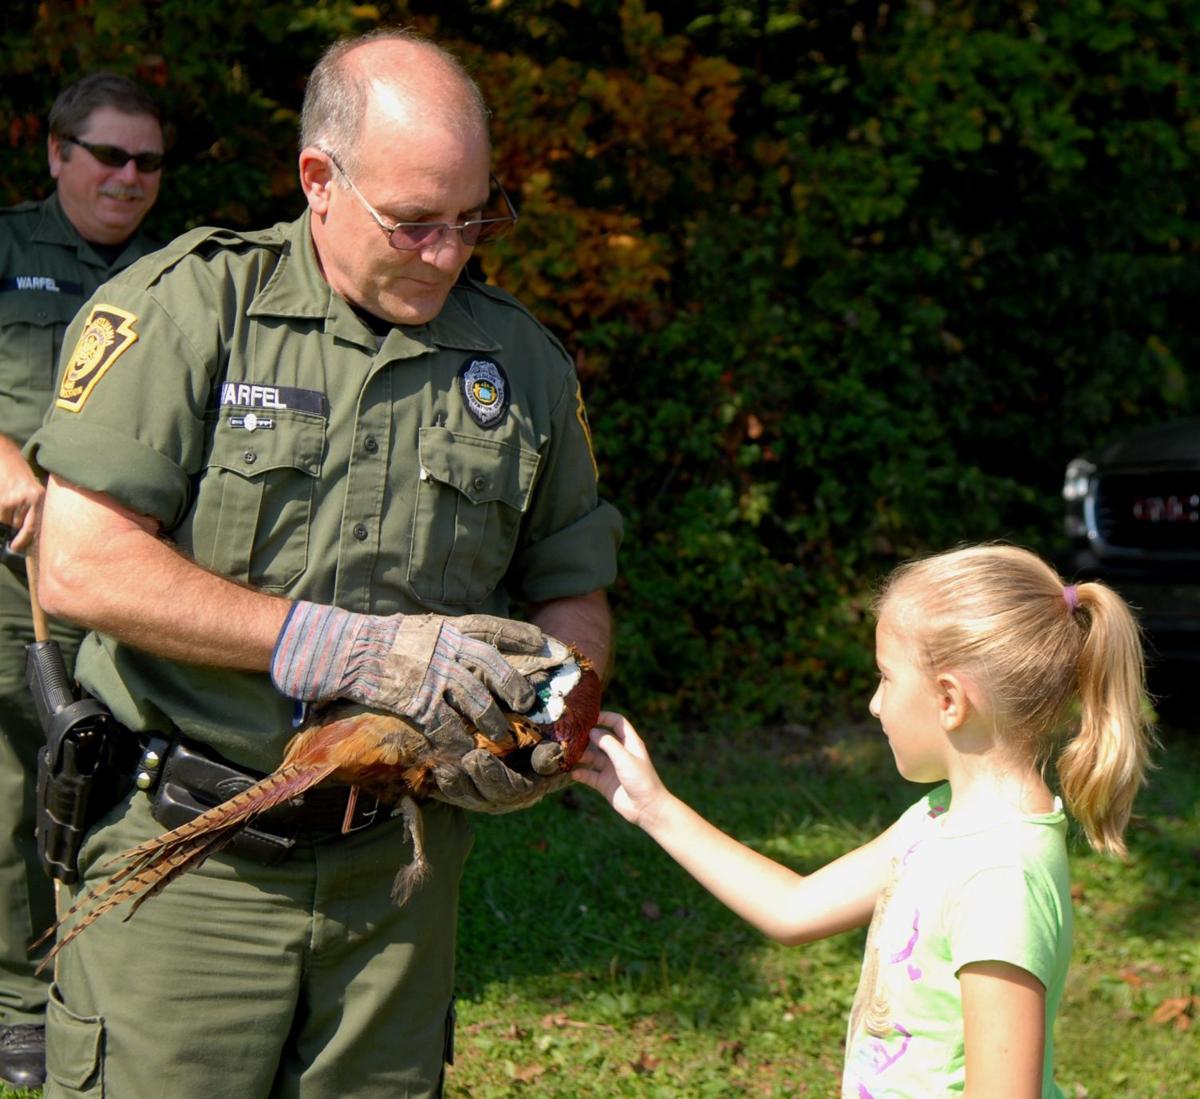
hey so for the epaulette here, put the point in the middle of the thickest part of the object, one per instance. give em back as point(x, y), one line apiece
point(204, 241)
point(20, 208)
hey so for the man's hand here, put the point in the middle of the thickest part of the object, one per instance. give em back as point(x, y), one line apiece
point(437, 671)
point(484, 783)
point(21, 495)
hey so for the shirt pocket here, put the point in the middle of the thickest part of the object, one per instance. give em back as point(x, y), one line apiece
point(34, 322)
point(471, 494)
point(255, 499)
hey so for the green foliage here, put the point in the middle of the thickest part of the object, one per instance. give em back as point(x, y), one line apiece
point(844, 283)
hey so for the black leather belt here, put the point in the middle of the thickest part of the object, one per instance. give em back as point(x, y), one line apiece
point(185, 779)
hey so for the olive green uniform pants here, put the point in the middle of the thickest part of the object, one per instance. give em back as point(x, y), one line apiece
point(241, 981)
point(26, 893)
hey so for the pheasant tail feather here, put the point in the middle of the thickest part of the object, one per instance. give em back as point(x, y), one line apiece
point(149, 867)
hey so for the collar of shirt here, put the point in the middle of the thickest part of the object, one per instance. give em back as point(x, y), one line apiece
point(54, 227)
point(297, 289)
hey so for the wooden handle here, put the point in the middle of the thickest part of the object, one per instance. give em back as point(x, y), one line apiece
point(41, 630)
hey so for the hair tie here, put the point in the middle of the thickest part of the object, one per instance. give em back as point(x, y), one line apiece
point(1071, 597)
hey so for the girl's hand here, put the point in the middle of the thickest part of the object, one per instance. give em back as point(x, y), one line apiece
point(618, 765)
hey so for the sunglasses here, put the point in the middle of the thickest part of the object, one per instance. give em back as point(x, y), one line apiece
point(113, 156)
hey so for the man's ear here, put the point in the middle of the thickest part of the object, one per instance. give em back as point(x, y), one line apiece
point(954, 702)
point(316, 178)
point(54, 155)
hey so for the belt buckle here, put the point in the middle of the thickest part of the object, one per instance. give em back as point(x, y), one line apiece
point(367, 817)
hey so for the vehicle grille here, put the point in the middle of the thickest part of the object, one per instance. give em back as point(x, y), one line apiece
point(1152, 510)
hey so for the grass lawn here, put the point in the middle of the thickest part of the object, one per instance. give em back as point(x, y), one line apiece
point(637, 984)
point(590, 966)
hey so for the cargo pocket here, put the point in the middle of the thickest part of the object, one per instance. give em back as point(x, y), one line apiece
point(471, 495)
point(254, 500)
point(74, 1049)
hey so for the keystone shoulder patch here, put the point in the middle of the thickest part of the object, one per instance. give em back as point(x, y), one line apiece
point(484, 390)
point(106, 336)
point(582, 416)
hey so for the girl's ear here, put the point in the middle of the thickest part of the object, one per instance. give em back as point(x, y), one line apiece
point(954, 703)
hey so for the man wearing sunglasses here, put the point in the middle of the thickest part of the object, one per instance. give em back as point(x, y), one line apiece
point(315, 461)
point(105, 151)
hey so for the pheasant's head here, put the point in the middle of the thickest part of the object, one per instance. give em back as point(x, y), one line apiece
point(567, 708)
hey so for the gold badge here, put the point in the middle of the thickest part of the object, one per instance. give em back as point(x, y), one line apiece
point(106, 336)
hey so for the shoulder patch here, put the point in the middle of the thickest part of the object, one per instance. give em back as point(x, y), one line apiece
point(582, 417)
point(106, 336)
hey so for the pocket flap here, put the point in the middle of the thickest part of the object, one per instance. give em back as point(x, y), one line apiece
point(38, 307)
point(252, 442)
point(483, 470)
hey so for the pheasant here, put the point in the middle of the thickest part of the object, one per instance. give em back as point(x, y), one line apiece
point(383, 754)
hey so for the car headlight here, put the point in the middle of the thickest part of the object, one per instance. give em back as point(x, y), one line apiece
point(1077, 479)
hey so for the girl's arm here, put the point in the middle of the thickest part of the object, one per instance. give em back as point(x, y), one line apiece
point(787, 906)
point(1004, 1031)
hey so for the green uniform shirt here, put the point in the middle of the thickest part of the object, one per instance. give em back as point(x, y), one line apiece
point(47, 271)
point(223, 388)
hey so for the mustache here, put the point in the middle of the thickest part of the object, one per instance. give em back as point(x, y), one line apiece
point(123, 192)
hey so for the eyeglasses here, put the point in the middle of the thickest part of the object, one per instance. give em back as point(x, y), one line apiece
point(113, 156)
point(408, 236)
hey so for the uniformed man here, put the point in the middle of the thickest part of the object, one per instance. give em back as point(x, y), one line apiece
point(283, 464)
point(106, 154)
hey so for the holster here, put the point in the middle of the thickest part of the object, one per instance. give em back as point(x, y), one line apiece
point(79, 772)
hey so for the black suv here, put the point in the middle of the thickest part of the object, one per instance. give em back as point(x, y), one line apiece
point(1133, 521)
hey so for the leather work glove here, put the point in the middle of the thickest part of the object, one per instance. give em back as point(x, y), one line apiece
point(478, 780)
point(435, 670)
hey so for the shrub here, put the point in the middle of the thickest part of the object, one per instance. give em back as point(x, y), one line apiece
point(843, 283)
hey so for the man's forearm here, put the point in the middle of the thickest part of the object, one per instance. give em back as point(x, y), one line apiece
point(105, 568)
point(585, 622)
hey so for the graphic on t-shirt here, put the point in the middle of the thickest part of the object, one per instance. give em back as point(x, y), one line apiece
point(891, 941)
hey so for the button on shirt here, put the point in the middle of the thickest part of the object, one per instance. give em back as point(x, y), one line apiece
point(281, 442)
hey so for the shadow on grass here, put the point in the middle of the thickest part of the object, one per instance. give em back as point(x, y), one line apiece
point(1164, 840)
point(569, 888)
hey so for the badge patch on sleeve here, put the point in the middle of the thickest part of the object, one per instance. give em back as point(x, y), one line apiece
point(484, 390)
point(106, 336)
point(581, 416)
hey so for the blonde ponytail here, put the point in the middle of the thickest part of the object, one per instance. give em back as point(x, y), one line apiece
point(1104, 765)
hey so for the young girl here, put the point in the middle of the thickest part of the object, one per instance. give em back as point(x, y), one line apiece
point(984, 658)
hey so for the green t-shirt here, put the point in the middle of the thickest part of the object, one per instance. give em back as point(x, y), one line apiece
point(960, 892)
point(221, 387)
